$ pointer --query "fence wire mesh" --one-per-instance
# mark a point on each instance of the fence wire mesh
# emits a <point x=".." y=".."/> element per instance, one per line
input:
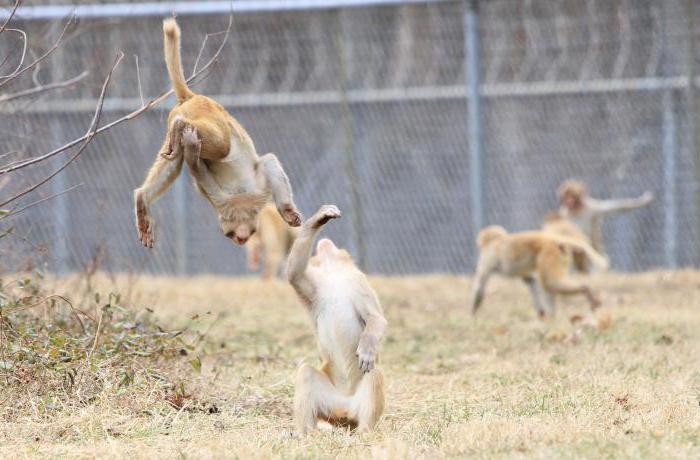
<point x="367" y="108"/>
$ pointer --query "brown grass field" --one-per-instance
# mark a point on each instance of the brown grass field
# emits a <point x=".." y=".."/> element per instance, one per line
<point x="624" y="383"/>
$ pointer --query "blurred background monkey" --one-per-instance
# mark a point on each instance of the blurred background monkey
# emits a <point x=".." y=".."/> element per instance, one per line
<point x="271" y="243"/>
<point x="588" y="213"/>
<point x="348" y="389"/>
<point x="540" y="259"/>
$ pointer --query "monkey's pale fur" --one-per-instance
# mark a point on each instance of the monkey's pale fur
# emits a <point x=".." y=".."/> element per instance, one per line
<point x="587" y="213"/>
<point x="541" y="259"/>
<point x="271" y="243"/>
<point x="348" y="389"/>
<point x="222" y="158"/>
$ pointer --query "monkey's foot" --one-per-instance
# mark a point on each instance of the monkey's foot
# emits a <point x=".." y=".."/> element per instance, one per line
<point x="175" y="140"/>
<point x="324" y="214"/>
<point x="144" y="223"/>
<point x="290" y="214"/>
<point x="189" y="136"/>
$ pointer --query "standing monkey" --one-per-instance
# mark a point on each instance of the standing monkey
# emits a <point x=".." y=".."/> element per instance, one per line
<point x="230" y="174"/>
<point x="348" y="389"/>
<point x="540" y="259"/>
<point x="588" y="213"/>
<point x="271" y="243"/>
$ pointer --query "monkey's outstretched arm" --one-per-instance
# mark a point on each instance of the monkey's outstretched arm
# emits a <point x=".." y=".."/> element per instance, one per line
<point x="271" y="170"/>
<point x="299" y="255"/>
<point x="612" y="206"/>
<point x="161" y="175"/>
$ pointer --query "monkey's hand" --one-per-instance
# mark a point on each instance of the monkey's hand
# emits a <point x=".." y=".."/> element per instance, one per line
<point x="323" y="215"/>
<point x="144" y="223"/>
<point x="367" y="351"/>
<point x="647" y="197"/>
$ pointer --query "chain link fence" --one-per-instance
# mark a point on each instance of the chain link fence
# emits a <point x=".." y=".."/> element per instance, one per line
<point x="367" y="107"/>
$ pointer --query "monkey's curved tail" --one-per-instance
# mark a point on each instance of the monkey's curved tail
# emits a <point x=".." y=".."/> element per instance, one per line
<point x="171" y="40"/>
<point x="598" y="260"/>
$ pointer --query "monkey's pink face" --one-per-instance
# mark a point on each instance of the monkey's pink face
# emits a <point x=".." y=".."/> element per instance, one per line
<point x="571" y="201"/>
<point x="238" y="231"/>
<point x="328" y="253"/>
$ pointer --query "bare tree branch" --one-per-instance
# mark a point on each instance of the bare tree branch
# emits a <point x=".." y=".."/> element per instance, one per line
<point x="9" y="18"/>
<point x="22" y="57"/>
<point x="43" y="88"/>
<point x="38" y="202"/>
<point x="43" y="56"/>
<point x="92" y="131"/>
<point x="148" y="105"/>
<point x="138" y="78"/>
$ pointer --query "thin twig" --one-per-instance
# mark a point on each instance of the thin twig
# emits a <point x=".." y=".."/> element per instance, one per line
<point x="9" y="18"/>
<point x="138" y="78"/>
<point x="35" y="203"/>
<point x="44" y="88"/>
<point x="92" y="131"/>
<point x="151" y="103"/>
<point x="14" y="73"/>
<point x="43" y="56"/>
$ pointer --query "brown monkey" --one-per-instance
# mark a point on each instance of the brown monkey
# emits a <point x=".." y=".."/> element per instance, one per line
<point x="588" y="213"/>
<point x="231" y="176"/>
<point x="271" y="242"/>
<point x="348" y="389"/>
<point x="555" y="224"/>
<point x="539" y="258"/>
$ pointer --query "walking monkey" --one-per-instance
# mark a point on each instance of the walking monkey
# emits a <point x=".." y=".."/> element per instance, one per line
<point x="231" y="176"/>
<point x="555" y="224"/>
<point x="271" y="243"/>
<point x="588" y="213"/>
<point x="538" y="258"/>
<point x="348" y="389"/>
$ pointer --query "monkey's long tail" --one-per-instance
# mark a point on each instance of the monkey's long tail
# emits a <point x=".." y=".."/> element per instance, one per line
<point x="599" y="261"/>
<point x="171" y="40"/>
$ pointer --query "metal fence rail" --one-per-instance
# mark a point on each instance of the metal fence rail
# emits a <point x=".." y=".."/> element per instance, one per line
<point x="374" y="105"/>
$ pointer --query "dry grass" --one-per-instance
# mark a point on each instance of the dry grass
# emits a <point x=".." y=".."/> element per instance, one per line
<point x="625" y="383"/>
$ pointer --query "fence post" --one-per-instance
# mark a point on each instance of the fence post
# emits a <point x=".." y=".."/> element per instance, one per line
<point x="351" y="164"/>
<point x="472" y="72"/>
<point x="669" y="183"/>
<point x="60" y="206"/>
<point x="692" y="114"/>
<point x="181" y="262"/>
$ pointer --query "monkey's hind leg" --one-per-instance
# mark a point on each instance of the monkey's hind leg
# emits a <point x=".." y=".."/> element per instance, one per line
<point x="315" y="397"/>
<point x="368" y="401"/>
<point x="552" y="268"/>
<point x="214" y="142"/>
<point x="274" y="253"/>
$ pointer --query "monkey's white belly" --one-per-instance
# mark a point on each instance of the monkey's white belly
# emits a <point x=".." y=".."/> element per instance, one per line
<point x="339" y="330"/>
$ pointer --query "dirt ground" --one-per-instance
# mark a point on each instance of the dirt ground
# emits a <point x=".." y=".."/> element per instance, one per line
<point x="623" y="383"/>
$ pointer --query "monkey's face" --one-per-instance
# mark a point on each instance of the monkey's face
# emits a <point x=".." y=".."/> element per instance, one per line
<point x="238" y="230"/>
<point x="571" y="200"/>
<point x="329" y="255"/>
<point x="571" y="193"/>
